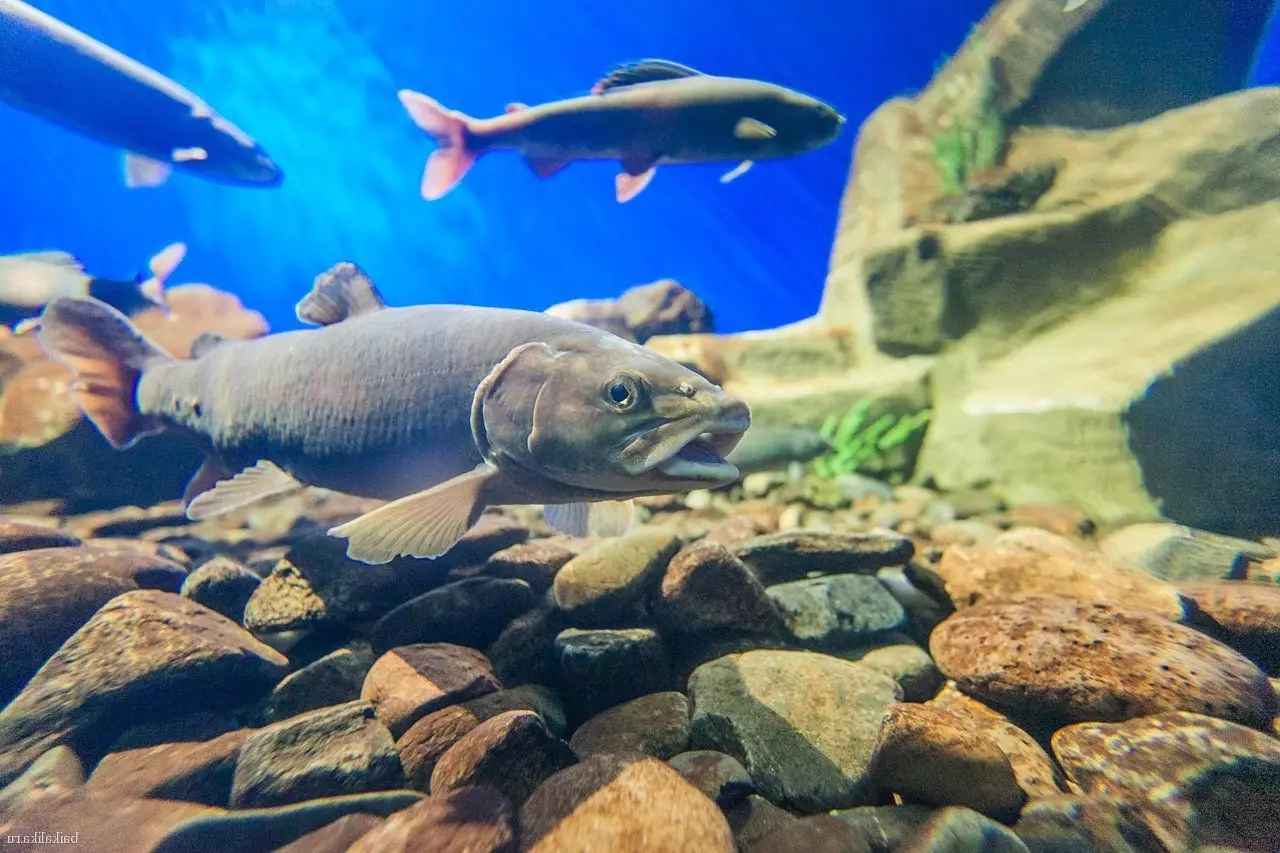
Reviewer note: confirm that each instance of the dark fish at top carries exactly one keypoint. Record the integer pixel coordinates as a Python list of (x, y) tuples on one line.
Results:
[(645, 114), (57, 72), (444, 409)]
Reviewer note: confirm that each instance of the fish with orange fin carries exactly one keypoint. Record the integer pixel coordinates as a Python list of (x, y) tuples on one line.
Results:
[(443, 410), (645, 114)]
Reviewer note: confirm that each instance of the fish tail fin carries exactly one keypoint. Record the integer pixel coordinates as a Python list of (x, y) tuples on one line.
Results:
[(106, 355), (161, 266), (451, 159)]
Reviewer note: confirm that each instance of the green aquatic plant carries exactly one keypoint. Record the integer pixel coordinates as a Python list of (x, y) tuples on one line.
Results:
[(857, 443), (971, 135)]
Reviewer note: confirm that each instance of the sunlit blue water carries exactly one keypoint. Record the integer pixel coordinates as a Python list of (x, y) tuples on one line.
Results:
[(315, 82)]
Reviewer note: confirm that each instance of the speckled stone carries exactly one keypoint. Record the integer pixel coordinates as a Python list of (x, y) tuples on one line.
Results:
[(336, 837), (323, 753), (525, 651), (47, 594), (113, 824), (706, 588), (469, 820), (836, 610), (409, 682), (16, 535), (1211, 781), (803, 724), (1076, 661), (823, 833), (223, 585), (754, 818), (791, 555), (961, 830), (656, 725), (1176, 552), (603, 668), (1030, 560), (1248, 615), (606, 803), (431, 737), (511, 753), (721, 777), (904, 662), (330, 680), (469, 612), (931, 756), (611, 580), (1083, 824), (885, 828), (1035, 771), (315, 585), (192, 771), (535, 562), (53, 775), (107, 675)]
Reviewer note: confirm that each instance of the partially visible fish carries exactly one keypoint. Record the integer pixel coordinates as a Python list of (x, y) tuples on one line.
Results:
[(644, 114), (30, 280), (443, 409), (63, 75), (776, 448)]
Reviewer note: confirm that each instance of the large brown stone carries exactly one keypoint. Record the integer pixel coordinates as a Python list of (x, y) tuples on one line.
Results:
[(1062, 658)]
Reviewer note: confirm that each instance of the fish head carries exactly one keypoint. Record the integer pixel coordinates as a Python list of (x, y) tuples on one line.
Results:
[(224, 152), (600, 413), (814, 121)]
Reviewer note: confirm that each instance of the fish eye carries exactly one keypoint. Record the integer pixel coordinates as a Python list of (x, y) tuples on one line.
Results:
[(620, 392)]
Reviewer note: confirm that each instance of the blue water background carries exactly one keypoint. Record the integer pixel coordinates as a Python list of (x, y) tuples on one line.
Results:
[(315, 82)]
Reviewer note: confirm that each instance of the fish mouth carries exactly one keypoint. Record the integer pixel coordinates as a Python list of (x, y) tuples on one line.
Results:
[(700, 458)]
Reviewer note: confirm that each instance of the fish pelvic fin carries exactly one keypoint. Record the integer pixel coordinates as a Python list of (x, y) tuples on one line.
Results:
[(140, 171), (424, 524), (339, 293), (451, 159), (602, 518), (258, 482), (107, 355), (627, 186)]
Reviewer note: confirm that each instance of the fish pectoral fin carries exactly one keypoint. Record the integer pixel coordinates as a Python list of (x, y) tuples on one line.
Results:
[(424, 524), (603, 518), (737, 171), (753, 128), (644, 71), (544, 168), (339, 293), (258, 482), (142, 171), (204, 479), (633, 178), (186, 155)]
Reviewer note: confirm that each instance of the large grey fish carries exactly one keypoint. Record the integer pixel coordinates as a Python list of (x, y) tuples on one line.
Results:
[(443, 409), (643, 114), (61, 74)]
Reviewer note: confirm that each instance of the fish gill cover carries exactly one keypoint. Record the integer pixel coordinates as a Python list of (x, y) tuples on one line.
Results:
[(315, 80)]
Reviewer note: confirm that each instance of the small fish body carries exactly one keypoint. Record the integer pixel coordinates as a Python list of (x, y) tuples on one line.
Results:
[(776, 448), (30, 280), (645, 114), (442, 409), (63, 75)]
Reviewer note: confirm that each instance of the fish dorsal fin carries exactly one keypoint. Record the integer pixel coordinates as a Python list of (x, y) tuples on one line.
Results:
[(62, 260), (644, 71), (257, 482), (339, 293), (206, 342)]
